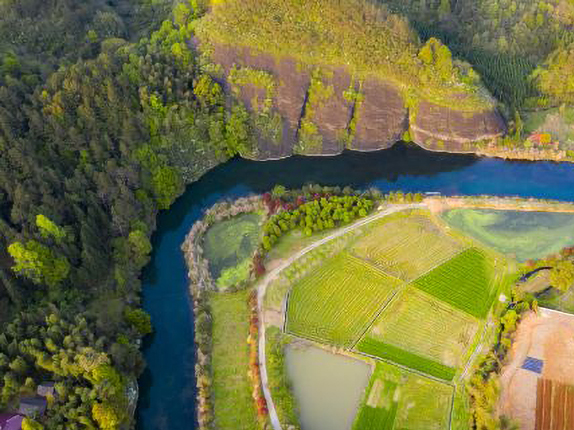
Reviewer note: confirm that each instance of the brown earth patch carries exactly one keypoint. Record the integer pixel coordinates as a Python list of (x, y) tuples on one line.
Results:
[(381, 118), (438, 127), (554, 406), (548, 336)]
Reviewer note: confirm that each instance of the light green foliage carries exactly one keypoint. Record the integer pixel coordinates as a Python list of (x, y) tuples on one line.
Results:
[(49, 229), (554, 78), (524, 235), (238, 133), (315, 216), (233, 277), (39, 263), (406, 246), (362, 36), (310, 140), (418, 323), (233, 404), (208, 92), (140, 320), (230, 244), (30, 424), (165, 181), (337, 301), (562, 275), (140, 243), (398, 399), (466, 282), (106, 416)]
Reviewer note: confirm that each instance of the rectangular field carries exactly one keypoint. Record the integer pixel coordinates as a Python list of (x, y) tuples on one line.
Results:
[(406, 246), (467, 282), (554, 405), (398, 399), (234, 407), (420, 324), (338, 300), (405, 358)]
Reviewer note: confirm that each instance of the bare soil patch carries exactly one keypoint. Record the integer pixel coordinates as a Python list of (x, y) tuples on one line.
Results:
[(548, 336)]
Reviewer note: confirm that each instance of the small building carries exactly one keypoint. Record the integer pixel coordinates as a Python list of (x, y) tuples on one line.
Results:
[(33, 407), (11, 421), (46, 389)]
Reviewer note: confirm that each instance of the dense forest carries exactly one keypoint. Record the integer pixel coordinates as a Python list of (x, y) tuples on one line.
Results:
[(106, 113)]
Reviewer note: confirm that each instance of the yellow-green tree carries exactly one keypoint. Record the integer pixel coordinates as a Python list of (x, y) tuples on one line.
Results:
[(39, 263)]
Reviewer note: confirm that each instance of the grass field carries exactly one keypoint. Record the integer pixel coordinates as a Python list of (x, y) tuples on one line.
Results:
[(467, 282), (418, 323), (406, 247), (337, 301), (233, 403), (523, 235), (398, 399), (228, 243)]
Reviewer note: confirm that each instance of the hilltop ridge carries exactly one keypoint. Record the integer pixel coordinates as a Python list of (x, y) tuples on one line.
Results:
[(326, 75)]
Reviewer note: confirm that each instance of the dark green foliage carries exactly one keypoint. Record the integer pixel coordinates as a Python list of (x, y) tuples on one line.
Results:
[(140, 320)]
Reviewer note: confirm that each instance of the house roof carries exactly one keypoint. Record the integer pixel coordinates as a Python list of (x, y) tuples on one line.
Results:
[(11, 421), (32, 406)]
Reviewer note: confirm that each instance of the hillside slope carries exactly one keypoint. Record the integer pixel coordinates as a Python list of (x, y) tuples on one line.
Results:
[(320, 76)]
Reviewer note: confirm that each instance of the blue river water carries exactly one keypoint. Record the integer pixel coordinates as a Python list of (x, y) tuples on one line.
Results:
[(167, 387)]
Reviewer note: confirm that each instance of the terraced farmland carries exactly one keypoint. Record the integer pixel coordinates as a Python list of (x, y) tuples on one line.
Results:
[(398, 399), (337, 301), (466, 282), (420, 324), (406, 247)]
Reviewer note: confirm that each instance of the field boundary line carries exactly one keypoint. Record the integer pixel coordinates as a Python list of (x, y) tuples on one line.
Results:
[(262, 288), (543, 309), (444, 261), (384, 306)]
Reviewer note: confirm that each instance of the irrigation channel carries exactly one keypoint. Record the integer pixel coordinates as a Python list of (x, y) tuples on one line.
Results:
[(167, 387)]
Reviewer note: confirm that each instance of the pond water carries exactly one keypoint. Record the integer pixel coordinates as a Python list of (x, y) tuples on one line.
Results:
[(328, 387), (167, 397)]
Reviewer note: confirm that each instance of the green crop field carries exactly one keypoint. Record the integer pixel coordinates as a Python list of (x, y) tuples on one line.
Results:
[(228, 243), (337, 301), (523, 235), (406, 247), (418, 323), (232, 400), (398, 399), (467, 282)]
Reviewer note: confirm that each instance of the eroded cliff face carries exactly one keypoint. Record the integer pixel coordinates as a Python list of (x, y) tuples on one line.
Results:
[(315, 110)]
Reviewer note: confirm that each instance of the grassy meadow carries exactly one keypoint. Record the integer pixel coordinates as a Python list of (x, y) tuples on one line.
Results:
[(338, 300), (398, 399), (233, 403), (420, 324), (523, 235), (406, 246)]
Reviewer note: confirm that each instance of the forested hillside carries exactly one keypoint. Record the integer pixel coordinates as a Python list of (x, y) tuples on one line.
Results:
[(504, 39), (88, 155)]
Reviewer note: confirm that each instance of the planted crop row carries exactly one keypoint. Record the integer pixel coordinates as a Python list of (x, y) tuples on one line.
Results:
[(337, 301), (406, 247), (423, 325), (399, 399), (466, 282), (400, 356)]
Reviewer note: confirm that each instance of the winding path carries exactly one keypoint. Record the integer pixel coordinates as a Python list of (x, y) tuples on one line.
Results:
[(262, 288)]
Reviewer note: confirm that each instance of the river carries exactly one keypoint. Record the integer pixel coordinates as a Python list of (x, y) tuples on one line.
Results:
[(167, 387)]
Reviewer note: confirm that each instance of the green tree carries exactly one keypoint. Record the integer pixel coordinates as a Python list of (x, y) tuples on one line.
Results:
[(39, 263), (140, 320), (30, 424), (48, 228)]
